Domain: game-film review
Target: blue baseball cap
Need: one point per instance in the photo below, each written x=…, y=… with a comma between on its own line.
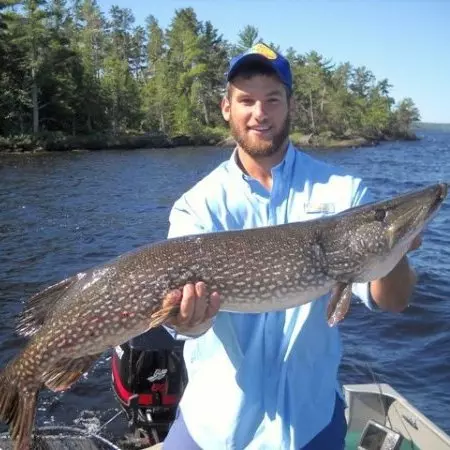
x=263, y=53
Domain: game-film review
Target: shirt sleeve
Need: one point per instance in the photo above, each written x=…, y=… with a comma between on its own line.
x=362, y=290
x=184, y=220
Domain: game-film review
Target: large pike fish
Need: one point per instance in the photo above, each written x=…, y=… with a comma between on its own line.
x=266, y=269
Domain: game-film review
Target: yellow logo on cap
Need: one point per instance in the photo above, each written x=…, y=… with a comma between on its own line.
x=263, y=50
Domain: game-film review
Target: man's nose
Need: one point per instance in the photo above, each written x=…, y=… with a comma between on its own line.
x=259, y=110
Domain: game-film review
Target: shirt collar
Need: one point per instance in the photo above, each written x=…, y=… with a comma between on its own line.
x=283, y=168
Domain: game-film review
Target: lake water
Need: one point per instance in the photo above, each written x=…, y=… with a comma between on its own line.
x=61, y=213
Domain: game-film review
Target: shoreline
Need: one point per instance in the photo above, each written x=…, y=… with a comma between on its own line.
x=40, y=144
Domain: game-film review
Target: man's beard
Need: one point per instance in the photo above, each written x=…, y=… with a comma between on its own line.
x=260, y=147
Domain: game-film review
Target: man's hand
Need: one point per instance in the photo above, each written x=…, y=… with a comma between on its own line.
x=197, y=308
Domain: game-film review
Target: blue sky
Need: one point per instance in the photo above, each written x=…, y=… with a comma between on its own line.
x=407, y=42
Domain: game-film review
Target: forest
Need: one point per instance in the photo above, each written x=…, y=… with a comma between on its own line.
x=74, y=76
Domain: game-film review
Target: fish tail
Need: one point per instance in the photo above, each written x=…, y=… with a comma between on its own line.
x=17, y=408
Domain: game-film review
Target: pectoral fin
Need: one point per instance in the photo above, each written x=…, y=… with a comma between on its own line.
x=341, y=296
x=67, y=372
x=169, y=309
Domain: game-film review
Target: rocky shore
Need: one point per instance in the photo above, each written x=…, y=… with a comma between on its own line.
x=103, y=141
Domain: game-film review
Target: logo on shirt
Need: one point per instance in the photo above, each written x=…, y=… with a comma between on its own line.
x=319, y=208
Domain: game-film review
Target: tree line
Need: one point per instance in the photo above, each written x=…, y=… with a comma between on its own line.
x=72, y=69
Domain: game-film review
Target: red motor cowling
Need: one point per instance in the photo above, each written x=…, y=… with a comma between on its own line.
x=148, y=385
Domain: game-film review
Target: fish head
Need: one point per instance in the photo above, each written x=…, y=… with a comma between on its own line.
x=368, y=241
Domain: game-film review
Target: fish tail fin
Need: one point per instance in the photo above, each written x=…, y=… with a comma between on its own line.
x=17, y=408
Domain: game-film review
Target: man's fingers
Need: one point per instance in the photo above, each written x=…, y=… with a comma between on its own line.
x=201, y=303
x=200, y=289
x=173, y=297
x=213, y=306
x=196, y=307
x=187, y=305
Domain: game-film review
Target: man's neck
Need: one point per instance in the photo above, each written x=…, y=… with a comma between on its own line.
x=260, y=168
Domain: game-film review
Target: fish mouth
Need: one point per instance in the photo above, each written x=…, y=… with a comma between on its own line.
x=439, y=194
x=411, y=219
x=442, y=192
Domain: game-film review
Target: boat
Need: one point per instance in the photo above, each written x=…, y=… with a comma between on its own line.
x=62, y=438
x=378, y=418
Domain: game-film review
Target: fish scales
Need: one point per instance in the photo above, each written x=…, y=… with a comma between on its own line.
x=264, y=263
x=261, y=266
x=71, y=323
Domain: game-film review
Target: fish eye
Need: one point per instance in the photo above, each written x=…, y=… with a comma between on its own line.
x=380, y=215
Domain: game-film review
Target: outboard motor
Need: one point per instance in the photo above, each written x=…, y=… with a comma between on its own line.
x=148, y=379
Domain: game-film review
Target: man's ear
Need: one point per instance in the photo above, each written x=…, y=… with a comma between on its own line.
x=225, y=107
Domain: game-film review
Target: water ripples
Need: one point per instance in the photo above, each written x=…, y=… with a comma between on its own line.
x=63, y=213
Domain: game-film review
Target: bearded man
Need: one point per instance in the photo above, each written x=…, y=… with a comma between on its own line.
x=265, y=381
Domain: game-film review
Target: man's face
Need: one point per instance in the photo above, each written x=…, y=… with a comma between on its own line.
x=258, y=113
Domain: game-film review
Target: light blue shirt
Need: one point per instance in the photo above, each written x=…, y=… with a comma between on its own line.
x=264, y=381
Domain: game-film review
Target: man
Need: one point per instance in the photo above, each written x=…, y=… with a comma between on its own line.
x=265, y=381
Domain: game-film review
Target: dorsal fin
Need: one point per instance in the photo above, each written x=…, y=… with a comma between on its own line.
x=40, y=306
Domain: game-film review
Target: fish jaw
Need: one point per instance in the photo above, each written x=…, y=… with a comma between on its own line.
x=365, y=243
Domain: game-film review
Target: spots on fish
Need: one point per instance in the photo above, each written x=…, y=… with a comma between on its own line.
x=267, y=274
x=239, y=273
x=116, y=324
